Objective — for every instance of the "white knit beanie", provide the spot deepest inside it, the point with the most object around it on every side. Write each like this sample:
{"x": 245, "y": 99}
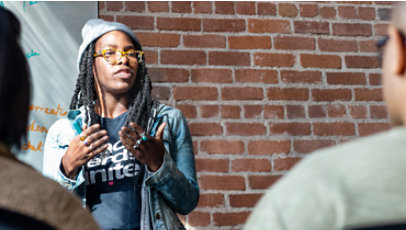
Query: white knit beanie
{"x": 95, "y": 28}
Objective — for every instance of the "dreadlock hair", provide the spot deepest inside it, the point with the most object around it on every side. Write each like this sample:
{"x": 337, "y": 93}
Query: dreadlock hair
{"x": 140, "y": 100}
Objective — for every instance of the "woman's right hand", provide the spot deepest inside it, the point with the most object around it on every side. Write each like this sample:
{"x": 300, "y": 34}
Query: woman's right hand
{"x": 84, "y": 147}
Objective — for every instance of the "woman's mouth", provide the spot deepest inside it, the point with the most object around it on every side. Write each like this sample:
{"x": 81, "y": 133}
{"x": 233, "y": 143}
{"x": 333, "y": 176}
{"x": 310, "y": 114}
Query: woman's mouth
{"x": 123, "y": 73}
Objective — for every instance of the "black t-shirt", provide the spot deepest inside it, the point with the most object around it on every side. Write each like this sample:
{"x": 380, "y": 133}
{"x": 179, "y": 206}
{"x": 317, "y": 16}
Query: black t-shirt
{"x": 113, "y": 181}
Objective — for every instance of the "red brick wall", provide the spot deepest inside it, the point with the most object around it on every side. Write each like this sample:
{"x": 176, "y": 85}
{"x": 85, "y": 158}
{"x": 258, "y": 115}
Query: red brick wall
{"x": 262, "y": 84}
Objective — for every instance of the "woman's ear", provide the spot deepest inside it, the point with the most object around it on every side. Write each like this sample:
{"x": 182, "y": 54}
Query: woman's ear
{"x": 395, "y": 52}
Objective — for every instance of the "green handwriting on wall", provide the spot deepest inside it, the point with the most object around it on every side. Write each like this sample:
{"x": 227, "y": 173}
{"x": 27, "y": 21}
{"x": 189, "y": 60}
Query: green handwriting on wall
{"x": 30, "y": 3}
{"x": 31, "y": 54}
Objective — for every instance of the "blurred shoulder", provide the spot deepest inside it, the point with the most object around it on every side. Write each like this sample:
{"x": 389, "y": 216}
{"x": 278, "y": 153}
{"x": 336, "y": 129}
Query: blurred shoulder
{"x": 27, "y": 192}
{"x": 338, "y": 161}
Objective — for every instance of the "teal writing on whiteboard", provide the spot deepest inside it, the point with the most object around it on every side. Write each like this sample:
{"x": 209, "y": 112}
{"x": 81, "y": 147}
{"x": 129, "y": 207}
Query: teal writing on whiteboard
{"x": 31, "y": 54}
{"x": 30, "y": 2}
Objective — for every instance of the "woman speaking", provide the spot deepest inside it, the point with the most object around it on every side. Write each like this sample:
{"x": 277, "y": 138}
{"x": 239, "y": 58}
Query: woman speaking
{"x": 128, "y": 157}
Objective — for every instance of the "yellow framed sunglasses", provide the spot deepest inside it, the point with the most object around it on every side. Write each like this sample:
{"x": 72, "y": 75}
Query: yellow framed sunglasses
{"x": 113, "y": 56}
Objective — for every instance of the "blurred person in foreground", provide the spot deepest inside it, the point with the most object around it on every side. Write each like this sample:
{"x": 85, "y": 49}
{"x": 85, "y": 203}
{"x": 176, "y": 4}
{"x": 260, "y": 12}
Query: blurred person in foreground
{"x": 28, "y": 200}
{"x": 359, "y": 184}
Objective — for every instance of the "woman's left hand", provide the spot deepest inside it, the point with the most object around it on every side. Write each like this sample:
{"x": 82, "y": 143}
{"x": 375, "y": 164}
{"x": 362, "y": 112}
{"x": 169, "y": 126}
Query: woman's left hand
{"x": 149, "y": 150}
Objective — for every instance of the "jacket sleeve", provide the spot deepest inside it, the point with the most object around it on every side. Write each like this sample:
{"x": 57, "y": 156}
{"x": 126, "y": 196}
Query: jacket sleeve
{"x": 176, "y": 178}
{"x": 57, "y": 141}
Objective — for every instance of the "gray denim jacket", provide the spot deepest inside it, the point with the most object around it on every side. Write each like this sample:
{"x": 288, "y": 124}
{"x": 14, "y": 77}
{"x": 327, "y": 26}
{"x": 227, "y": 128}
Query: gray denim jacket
{"x": 170, "y": 190}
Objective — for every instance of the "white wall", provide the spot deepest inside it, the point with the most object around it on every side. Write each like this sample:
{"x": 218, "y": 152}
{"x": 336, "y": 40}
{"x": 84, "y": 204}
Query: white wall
{"x": 51, "y": 35}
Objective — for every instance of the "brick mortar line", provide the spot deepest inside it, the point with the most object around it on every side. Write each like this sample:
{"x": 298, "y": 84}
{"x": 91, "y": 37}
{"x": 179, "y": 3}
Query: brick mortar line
{"x": 308, "y": 119}
{"x": 262, "y": 34}
{"x": 282, "y": 85}
{"x": 319, "y": 19}
{"x": 270, "y": 102}
{"x": 259, "y": 68}
{"x": 253, "y": 51}
{"x": 223, "y": 210}
{"x": 281, "y": 137}
{"x": 216, "y": 16}
{"x": 276, "y": 102}
{"x": 236, "y": 68}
